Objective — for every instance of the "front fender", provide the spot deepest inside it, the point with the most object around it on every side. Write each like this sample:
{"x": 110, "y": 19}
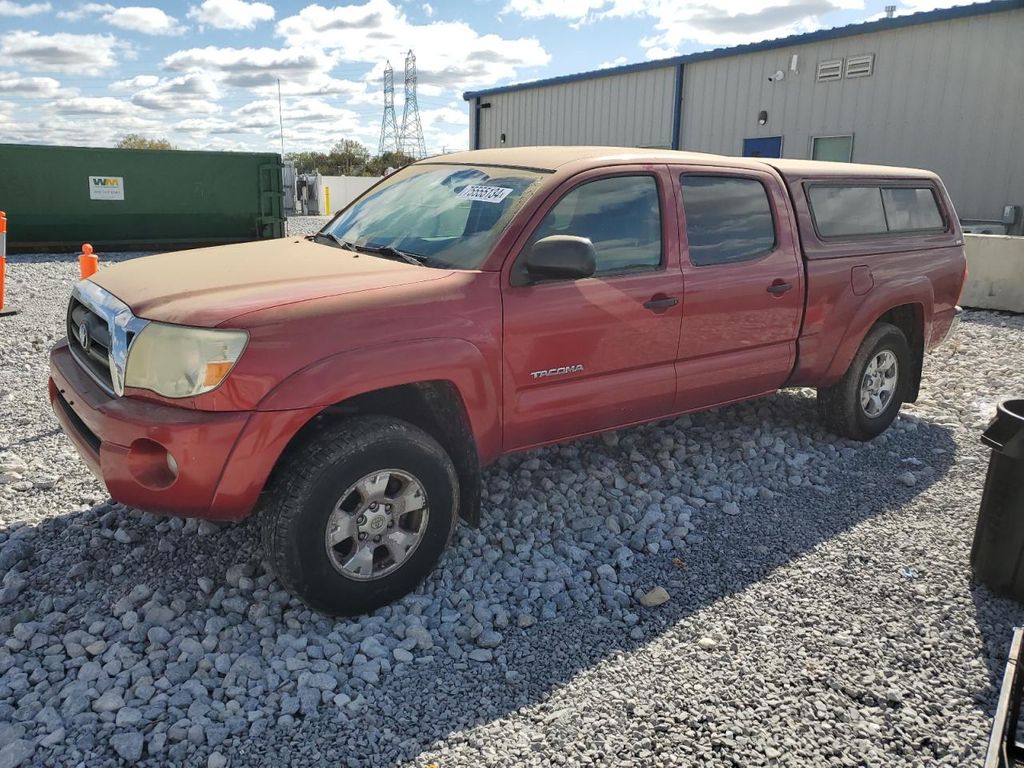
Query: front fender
{"x": 355, "y": 372}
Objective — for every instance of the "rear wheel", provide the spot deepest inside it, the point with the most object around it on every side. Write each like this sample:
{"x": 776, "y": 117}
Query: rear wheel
{"x": 863, "y": 403}
{"x": 357, "y": 517}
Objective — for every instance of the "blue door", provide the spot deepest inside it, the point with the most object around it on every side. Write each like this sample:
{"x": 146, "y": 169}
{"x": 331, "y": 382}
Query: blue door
{"x": 764, "y": 146}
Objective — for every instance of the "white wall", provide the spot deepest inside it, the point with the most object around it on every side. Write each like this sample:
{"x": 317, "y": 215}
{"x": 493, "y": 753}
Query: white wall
{"x": 995, "y": 272}
{"x": 343, "y": 190}
{"x": 938, "y": 99}
{"x": 629, "y": 110}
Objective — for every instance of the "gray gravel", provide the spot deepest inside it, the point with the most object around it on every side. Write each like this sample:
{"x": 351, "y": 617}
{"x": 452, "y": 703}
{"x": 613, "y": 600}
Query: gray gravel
{"x": 819, "y": 608}
{"x": 306, "y": 225}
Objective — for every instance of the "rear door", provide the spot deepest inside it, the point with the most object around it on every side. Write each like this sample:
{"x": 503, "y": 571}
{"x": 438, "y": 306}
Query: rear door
{"x": 586, "y": 355}
{"x": 744, "y": 280}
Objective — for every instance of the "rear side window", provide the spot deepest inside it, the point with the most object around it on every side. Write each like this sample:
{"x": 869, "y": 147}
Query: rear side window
{"x": 911, "y": 209}
{"x": 842, "y": 211}
{"x": 873, "y": 210}
{"x": 620, "y": 215}
{"x": 728, "y": 219}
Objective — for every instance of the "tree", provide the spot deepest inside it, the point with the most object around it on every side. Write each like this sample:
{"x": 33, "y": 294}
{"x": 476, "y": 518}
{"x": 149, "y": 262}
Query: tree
{"x": 138, "y": 141}
{"x": 347, "y": 158}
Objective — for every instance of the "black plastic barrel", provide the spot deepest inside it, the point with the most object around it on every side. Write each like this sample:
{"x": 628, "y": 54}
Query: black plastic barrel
{"x": 998, "y": 552}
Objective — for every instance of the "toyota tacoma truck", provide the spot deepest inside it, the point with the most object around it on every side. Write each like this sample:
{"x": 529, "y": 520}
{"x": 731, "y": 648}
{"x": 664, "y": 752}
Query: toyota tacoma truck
{"x": 348, "y": 387}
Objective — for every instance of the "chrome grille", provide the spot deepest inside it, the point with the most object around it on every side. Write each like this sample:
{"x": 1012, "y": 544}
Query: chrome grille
{"x": 101, "y": 329}
{"x": 94, "y": 355}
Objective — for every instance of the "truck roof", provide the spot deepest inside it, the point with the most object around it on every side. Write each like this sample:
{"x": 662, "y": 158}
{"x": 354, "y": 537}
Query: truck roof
{"x": 552, "y": 158}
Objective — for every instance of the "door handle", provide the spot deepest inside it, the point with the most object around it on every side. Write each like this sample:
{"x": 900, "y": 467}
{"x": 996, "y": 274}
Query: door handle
{"x": 658, "y": 303}
{"x": 779, "y": 287}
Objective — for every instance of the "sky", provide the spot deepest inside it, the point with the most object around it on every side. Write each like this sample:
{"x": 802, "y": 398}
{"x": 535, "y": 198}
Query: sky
{"x": 204, "y": 74}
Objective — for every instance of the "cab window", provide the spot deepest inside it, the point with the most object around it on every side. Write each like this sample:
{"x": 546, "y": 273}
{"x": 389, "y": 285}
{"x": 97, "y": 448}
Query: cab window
{"x": 620, "y": 215}
{"x": 728, "y": 219}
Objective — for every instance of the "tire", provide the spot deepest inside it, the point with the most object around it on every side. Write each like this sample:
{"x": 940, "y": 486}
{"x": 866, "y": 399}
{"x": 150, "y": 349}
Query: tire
{"x": 840, "y": 406}
{"x": 358, "y": 460}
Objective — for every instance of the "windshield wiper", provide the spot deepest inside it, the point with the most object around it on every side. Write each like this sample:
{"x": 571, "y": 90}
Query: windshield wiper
{"x": 387, "y": 251}
{"x": 332, "y": 237}
{"x": 390, "y": 252}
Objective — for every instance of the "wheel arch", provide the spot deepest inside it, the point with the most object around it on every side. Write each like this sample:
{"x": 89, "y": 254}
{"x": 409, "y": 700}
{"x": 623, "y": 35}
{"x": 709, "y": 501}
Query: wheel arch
{"x": 908, "y": 310}
{"x": 434, "y": 406}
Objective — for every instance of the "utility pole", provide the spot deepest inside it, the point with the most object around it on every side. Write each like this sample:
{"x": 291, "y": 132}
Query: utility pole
{"x": 390, "y": 139}
{"x": 280, "y": 116}
{"x": 412, "y": 143}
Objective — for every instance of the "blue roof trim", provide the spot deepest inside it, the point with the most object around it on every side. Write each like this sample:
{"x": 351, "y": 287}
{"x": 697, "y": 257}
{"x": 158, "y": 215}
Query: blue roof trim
{"x": 924, "y": 17}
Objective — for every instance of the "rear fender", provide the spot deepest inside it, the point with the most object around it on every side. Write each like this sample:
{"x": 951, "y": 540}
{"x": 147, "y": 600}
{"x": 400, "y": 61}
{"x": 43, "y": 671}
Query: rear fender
{"x": 916, "y": 290}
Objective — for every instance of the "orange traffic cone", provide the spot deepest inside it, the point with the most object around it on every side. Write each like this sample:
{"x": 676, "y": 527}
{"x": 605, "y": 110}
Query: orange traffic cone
{"x": 88, "y": 262}
{"x": 4, "y": 309}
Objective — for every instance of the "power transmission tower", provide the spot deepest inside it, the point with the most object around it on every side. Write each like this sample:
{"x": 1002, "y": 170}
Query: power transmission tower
{"x": 390, "y": 139}
{"x": 412, "y": 129}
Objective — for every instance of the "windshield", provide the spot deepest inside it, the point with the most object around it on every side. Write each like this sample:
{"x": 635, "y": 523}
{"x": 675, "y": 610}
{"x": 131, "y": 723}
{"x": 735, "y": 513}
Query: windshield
{"x": 447, "y": 215}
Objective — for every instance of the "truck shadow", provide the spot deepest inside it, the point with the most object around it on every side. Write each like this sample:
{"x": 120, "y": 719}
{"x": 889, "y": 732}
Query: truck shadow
{"x": 401, "y": 719}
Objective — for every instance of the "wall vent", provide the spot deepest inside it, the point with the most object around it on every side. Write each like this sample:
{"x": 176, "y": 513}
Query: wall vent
{"x": 860, "y": 66}
{"x": 830, "y": 70}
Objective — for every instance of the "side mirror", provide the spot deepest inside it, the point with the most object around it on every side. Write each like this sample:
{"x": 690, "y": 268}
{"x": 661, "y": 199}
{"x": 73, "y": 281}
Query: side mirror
{"x": 561, "y": 257}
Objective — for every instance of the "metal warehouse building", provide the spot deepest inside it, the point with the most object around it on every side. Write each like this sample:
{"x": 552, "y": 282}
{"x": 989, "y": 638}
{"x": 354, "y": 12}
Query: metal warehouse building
{"x": 942, "y": 90}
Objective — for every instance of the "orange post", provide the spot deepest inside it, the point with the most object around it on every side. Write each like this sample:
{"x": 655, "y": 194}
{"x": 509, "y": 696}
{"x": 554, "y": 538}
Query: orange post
{"x": 3, "y": 262}
{"x": 88, "y": 262}
{"x": 3, "y": 255}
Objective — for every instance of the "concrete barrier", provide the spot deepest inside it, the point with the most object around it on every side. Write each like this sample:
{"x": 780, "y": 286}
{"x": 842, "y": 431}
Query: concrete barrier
{"x": 995, "y": 272}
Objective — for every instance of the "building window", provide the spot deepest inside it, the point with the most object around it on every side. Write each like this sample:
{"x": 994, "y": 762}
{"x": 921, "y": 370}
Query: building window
{"x": 838, "y": 149}
{"x": 620, "y": 215}
{"x": 728, "y": 219}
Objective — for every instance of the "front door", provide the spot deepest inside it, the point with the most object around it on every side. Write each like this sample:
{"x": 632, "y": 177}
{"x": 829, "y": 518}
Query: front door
{"x": 586, "y": 355}
{"x": 744, "y": 286}
{"x": 763, "y": 146}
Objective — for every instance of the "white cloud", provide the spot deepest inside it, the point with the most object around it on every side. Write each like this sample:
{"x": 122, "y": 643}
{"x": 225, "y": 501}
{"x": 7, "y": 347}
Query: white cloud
{"x": 84, "y": 10}
{"x": 61, "y": 52}
{"x": 95, "y": 105}
{"x": 679, "y": 22}
{"x": 11, "y": 8}
{"x": 448, "y": 53}
{"x": 618, "y": 61}
{"x": 576, "y": 10}
{"x": 428, "y": 9}
{"x": 231, "y": 14}
{"x": 12, "y": 84}
{"x": 194, "y": 93}
{"x": 251, "y": 67}
{"x": 135, "y": 83}
{"x": 145, "y": 20}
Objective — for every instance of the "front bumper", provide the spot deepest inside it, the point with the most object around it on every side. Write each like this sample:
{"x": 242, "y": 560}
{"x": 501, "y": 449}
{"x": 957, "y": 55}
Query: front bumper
{"x": 221, "y": 460}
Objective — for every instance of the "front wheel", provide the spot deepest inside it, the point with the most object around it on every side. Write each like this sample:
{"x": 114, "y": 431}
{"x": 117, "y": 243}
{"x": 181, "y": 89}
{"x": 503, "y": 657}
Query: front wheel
{"x": 863, "y": 403}
{"x": 357, "y": 517}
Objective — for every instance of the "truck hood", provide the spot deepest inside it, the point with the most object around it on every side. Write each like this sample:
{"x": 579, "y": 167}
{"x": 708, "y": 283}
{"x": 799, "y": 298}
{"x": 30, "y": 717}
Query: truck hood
{"x": 209, "y": 286}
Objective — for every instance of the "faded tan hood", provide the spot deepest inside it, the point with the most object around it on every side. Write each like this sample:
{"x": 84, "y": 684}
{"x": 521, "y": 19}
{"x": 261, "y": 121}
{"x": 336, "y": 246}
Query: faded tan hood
{"x": 208, "y": 286}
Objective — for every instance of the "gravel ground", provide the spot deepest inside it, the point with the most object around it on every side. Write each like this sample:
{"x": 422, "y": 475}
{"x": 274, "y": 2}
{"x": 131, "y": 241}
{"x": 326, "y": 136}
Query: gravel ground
{"x": 306, "y": 225}
{"x": 819, "y": 611}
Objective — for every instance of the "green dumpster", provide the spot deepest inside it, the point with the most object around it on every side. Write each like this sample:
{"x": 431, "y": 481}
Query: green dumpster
{"x": 57, "y": 198}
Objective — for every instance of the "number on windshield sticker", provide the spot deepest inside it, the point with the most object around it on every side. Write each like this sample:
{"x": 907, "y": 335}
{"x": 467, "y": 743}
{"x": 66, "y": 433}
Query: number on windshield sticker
{"x": 484, "y": 194}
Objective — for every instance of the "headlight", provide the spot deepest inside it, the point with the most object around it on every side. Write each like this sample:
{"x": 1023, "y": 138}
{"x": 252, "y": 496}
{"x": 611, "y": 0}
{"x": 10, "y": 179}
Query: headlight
{"x": 177, "y": 361}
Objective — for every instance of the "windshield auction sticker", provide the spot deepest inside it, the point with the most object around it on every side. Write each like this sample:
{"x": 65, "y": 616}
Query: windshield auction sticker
{"x": 484, "y": 194}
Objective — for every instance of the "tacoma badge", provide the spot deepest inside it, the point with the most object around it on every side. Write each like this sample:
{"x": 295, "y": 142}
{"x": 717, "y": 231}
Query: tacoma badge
{"x": 557, "y": 371}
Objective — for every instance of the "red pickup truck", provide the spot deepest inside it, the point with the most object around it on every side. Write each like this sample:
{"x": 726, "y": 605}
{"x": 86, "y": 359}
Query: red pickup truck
{"x": 351, "y": 385}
